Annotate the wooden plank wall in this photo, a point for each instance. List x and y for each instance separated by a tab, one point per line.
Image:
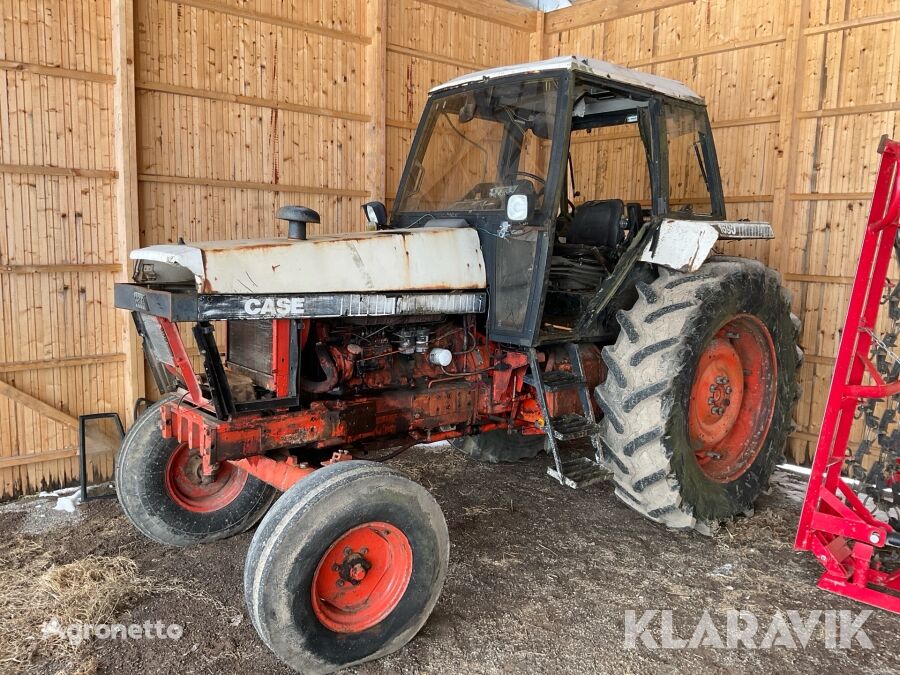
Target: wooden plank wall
799	92
431	42
60	339
235	107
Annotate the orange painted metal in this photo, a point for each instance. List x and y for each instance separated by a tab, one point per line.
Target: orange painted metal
281	474
187	486
733	398
362	577
481	391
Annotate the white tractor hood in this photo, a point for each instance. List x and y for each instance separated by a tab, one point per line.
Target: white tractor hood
422	259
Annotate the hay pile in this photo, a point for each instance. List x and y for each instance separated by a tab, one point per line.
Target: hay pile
34	593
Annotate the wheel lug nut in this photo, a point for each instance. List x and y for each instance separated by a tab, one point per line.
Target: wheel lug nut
363	550
335	567
710	400
728	390
347	550
712	387
727	402
340	582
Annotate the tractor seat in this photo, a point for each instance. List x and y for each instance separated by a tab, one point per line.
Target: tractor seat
597	223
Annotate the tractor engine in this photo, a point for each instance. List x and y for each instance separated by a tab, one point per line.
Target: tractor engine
356	357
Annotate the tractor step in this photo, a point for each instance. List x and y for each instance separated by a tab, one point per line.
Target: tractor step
557	380
579	472
571	427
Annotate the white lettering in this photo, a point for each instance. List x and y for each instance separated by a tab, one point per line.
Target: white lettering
635	629
852	628
276	306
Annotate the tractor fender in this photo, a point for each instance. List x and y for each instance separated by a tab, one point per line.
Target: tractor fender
684	245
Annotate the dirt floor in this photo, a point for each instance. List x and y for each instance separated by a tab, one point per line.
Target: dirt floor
540	580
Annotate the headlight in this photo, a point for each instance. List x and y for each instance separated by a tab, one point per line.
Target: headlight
518	208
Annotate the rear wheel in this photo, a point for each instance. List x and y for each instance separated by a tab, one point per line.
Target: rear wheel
500	446
346	567
159	487
702	381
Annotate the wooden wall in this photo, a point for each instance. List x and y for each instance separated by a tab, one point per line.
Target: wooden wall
134	122
799	92
127	122
61	347
431	42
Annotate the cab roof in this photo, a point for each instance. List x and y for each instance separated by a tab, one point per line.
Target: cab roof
596	67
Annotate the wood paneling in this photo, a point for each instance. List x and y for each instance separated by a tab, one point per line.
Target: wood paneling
58	254
126	122
799	92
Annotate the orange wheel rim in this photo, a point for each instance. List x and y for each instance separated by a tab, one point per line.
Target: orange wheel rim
185	485
733	398
362	577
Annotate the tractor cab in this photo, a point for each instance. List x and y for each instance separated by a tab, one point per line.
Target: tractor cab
566	168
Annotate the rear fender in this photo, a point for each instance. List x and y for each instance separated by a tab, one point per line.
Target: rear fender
684	245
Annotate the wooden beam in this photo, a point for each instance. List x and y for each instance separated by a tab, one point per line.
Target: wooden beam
731	46
126	207
853	23
437	58
274	104
45	409
31	169
598	11
50	269
65	362
537	47
251	185
863	109
273	19
55	71
97	441
790	96
503	13
376	97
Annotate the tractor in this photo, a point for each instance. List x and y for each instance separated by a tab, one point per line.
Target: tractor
545	281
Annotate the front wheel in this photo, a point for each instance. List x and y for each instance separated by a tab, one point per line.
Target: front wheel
161	492
346	567
702	382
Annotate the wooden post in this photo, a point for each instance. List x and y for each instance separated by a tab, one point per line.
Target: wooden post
122	13
376	88
537	50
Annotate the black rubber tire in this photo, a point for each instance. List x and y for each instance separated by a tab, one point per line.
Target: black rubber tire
500	446
140	486
299	529
646	395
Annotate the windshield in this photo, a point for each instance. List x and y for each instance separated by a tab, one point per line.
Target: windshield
480	146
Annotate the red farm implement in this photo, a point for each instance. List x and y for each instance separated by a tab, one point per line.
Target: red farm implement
845	521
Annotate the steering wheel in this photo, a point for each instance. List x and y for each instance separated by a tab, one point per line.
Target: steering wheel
532	176
541	182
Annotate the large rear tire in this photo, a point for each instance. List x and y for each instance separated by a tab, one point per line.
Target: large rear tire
499	446
158	486
702	382
346	567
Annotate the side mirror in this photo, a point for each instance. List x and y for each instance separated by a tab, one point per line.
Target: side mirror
519	208
376	214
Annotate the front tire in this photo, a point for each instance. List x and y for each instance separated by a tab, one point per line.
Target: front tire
346	567
158	486
702	382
